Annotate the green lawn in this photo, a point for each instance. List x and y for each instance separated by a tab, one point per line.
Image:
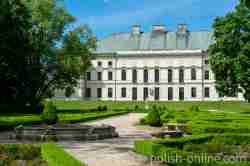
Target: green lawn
86	105
81	111
36	155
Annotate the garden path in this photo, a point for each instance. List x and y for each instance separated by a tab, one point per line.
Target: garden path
114	152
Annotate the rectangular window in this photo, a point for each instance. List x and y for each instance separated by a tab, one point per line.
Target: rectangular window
170	75
181	75
99	76
193	74
206	62
110	92
145	93
99	92
88	92
193	92
181	93
88	76
134	76
207	92
207	75
124	75
157	93
134	93
157	75
124	92
110	75
145	76
110	64
170	93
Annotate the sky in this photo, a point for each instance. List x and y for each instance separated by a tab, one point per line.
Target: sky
111	16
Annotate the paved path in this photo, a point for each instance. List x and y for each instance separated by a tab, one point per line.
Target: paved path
113	152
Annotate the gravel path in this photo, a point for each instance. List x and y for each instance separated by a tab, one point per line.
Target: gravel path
113	152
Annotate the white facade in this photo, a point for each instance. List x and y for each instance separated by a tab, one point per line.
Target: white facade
163	61
146	54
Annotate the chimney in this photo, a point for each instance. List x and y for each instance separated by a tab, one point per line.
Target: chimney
182	28
158	28
136	29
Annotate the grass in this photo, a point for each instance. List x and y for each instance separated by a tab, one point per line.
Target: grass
44	155
190	151
56	156
82	111
86	105
222	133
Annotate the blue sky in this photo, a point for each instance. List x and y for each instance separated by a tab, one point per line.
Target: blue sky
109	16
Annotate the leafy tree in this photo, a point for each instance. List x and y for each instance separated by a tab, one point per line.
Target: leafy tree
31	64
230	54
69	91
16	52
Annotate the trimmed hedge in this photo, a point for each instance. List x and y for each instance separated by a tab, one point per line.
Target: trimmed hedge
162	149
56	156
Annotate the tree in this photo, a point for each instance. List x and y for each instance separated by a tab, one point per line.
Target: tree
77	49
16	47
33	66
230	54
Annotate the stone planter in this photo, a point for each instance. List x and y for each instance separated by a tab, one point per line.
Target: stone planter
64	132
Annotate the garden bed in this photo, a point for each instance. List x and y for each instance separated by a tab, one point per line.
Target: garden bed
35	155
208	150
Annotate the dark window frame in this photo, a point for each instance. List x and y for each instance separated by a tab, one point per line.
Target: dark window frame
193	92
207	75
207	92
110	92
170	75
193	74
123	75
134	94
88	76
181	93
134	76
99	76
145	75
170	93
110	63
123	92
99	64
157	93
88	93
99	92
110	75
181	75
145	93
157	75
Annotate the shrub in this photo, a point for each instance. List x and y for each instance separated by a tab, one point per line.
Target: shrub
49	115
154	118
194	108
105	108
136	108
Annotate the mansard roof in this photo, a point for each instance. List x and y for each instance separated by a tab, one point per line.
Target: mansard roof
155	40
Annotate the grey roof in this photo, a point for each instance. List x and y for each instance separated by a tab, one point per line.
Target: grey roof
154	41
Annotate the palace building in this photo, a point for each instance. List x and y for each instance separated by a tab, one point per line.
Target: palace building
159	65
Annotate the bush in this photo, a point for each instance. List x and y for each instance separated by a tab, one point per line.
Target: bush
194	108
49	115
154	118
105	108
